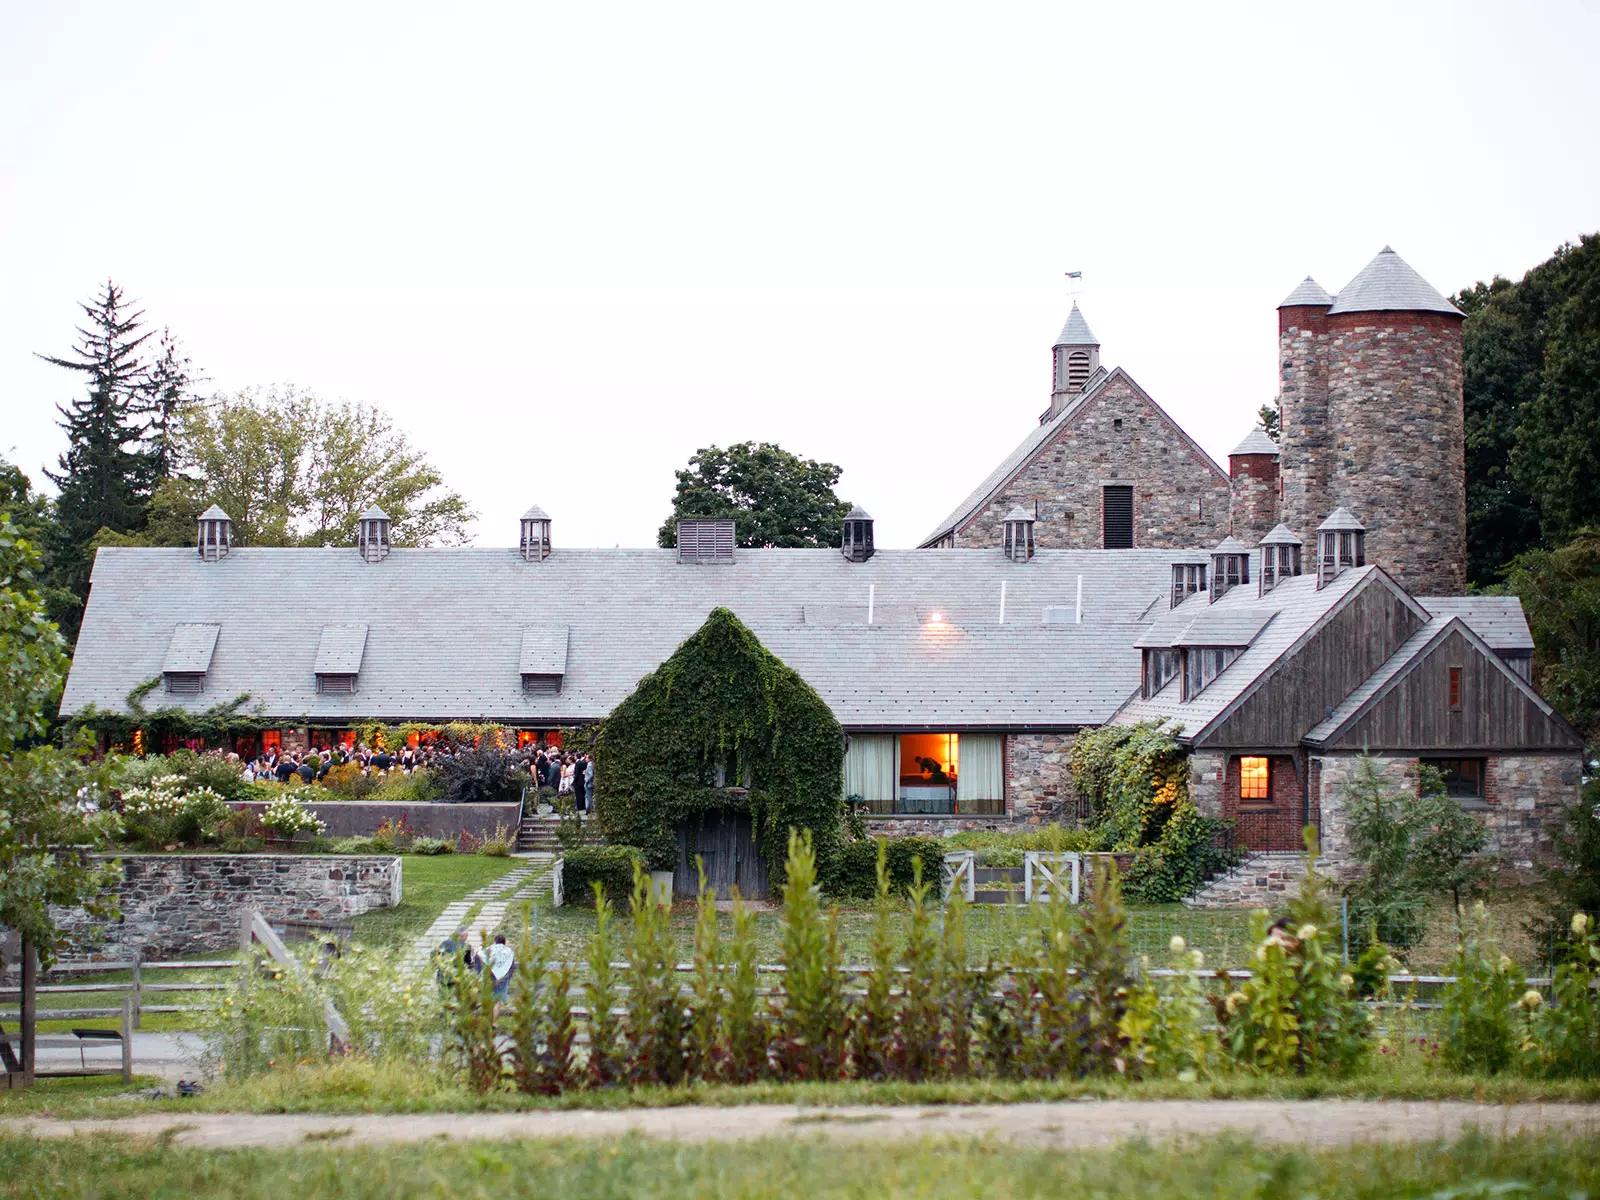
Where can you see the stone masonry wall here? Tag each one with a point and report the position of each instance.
(1524, 798)
(175, 904)
(1254, 508)
(1395, 410)
(1306, 459)
(1206, 781)
(1180, 497)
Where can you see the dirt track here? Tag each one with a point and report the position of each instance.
(1322, 1122)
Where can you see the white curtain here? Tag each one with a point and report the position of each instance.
(982, 771)
(869, 767)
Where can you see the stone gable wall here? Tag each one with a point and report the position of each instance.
(175, 904)
(1180, 498)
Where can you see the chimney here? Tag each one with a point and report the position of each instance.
(1341, 544)
(1017, 535)
(1280, 558)
(856, 543)
(216, 534)
(372, 534)
(535, 540)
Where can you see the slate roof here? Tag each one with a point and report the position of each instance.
(445, 628)
(984, 493)
(1225, 627)
(191, 648)
(215, 513)
(544, 650)
(1389, 283)
(1297, 607)
(1256, 442)
(1308, 292)
(1498, 620)
(1413, 648)
(339, 650)
(1076, 331)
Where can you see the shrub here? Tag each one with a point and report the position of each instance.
(854, 870)
(809, 1020)
(356, 845)
(482, 777)
(212, 770)
(1564, 1035)
(240, 832)
(498, 844)
(1006, 849)
(422, 786)
(346, 782)
(430, 846)
(171, 812)
(656, 1026)
(288, 816)
(1478, 1015)
(611, 867)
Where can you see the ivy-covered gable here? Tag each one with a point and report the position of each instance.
(722, 725)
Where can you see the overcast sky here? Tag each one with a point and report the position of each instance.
(564, 245)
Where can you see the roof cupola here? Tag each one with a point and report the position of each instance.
(534, 542)
(1341, 545)
(1230, 567)
(372, 534)
(1017, 535)
(1280, 558)
(856, 539)
(1076, 355)
(215, 535)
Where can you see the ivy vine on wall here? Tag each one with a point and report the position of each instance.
(216, 724)
(722, 725)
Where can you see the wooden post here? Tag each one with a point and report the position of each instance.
(244, 929)
(138, 995)
(128, 1023)
(30, 1010)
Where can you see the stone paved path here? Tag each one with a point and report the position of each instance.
(1059, 1125)
(524, 880)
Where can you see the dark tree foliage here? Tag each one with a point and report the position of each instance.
(775, 498)
(1271, 421)
(1530, 385)
(721, 711)
(483, 777)
(168, 390)
(104, 477)
(1560, 592)
(1573, 884)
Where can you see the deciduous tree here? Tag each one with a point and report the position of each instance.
(775, 498)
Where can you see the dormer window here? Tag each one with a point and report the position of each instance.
(338, 663)
(1160, 666)
(705, 542)
(1341, 546)
(335, 684)
(543, 661)
(1187, 580)
(1280, 558)
(1202, 664)
(188, 658)
(1017, 535)
(1230, 567)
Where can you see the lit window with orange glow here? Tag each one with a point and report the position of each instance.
(1254, 780)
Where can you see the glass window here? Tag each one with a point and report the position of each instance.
(1255, 780)
(929, 768)
(1463, 777)
(1159, 668)
(271, 741)
(1455, 689)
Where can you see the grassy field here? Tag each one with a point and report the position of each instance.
(801, 1165)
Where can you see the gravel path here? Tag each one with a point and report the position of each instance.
(1061, 1125)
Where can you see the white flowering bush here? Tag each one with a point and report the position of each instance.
(288, 816)
(170, 811)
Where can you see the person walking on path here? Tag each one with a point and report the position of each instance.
(500, 962)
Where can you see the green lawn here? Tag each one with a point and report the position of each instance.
(802, 1165)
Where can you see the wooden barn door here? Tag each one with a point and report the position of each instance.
(730, 855)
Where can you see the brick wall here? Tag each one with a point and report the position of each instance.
(1180, 498)
(1254, 509)
(1275, 826)
(1399, 433)
(174, 904)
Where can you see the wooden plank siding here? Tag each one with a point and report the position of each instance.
(1415, 713)
(1304, 686)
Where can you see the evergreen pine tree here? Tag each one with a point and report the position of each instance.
(167, 391)
(104, 477)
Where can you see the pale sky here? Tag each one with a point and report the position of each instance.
(565, 245)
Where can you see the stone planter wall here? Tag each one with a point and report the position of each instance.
(361, 818)
(174, 904)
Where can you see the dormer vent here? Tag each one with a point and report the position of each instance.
(216, 534)
(535, 540)
(1017, 535)
(1341, 545)
(1187, 579)
(856, 542)
(705, 542)
(1230, 567)
(338, 661)
(372, 534)
(1280, 558)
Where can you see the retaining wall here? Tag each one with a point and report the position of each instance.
(361, 818)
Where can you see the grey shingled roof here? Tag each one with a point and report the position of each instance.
(1498, 620)
(1299, 607)
(1376, 685)
(339, 650)
(1076, 331)
(1281, 535)
(215, 513)
(544, 650)
(1037, 438)
(446, 628)
(1389, 284)
(535, 514)
(191, 648)
(1225, 627)
(1340, 519)
(1308, 292)
(1256, 442)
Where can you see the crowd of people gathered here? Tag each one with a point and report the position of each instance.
(567, 774)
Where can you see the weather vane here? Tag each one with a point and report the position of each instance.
(1076, 286)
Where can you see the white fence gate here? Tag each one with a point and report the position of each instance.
(1043, 870)
(957, 871)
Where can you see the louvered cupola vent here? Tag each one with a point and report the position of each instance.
(372, 534)
(216, 534)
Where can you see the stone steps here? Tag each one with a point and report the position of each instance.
(538, 833)
(1263, 880)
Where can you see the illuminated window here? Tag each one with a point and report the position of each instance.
(1455, 689)
(552, 738)
(271, 741)
(1255, 779)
